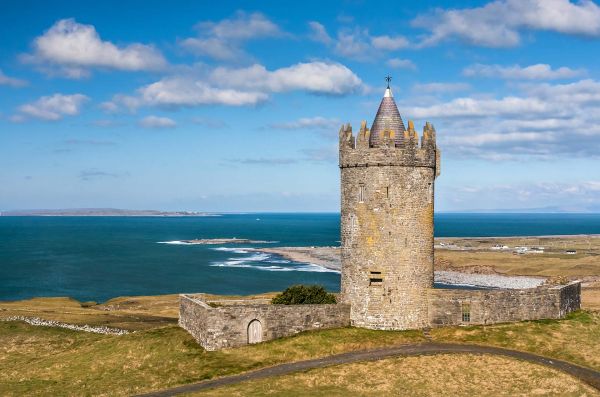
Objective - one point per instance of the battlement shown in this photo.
(388, 149)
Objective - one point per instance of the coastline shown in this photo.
(328, 257)
(479, 262)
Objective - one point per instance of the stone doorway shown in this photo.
(254, 332)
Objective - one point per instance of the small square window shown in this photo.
(375, 279)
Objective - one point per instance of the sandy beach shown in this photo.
(498, 262)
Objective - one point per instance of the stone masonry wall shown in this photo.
(446, 306)
(387, 232)
(227, 326)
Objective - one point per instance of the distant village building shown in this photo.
(388, 178)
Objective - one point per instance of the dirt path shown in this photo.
(590, 376)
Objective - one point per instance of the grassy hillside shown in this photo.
(450, 375)
(54, 361)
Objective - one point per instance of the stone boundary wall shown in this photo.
(227, 325)
(447, 306)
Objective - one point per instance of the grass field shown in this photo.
(554, 261)
(450, 375)
(54, 361)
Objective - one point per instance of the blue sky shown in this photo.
(235, 106)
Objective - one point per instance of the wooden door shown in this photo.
(254, 332)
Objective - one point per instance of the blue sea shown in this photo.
(98, 258)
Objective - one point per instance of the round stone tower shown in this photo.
(387, 188)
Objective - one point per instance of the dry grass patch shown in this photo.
(575, 339)
(553, 262)
(452, 375)
(53, 361)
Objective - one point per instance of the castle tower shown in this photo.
(387, 188)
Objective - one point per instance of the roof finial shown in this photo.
(388, 78)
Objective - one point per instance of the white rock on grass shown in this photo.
(51, 323)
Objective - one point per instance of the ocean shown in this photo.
(98, 258)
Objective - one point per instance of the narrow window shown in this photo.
(466, 312)
(387, 192)
(375, 279)
(361, 193)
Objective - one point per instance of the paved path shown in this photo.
(587, 375)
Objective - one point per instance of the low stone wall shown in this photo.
(456, 306)
(227, 325)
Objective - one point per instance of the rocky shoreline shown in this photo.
(329, 258)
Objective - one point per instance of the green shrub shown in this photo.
(304, 295)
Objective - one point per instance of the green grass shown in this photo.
(575, 338)
(446, 374)
(55, 361)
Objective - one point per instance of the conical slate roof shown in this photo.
(387, 118)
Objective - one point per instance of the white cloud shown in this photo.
(440, 87)
(318, 33)
(223, 40)
(498, 23)
(240, 86)
(357, 43)
(11, 81)
(542, 196)
(539, 120)
(314, 77)
(473, 107)
(386, 42)
(308, 123)
(533, 72)
(52, 108)
(157, 122)
(175, 91)
(398, 63)
(75, 48)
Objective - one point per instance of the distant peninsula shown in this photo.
(102, 212)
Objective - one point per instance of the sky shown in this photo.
(236, 106)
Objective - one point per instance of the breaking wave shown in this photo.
(270, 263)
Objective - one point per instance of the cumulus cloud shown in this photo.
(313, 77)
(52, 108)
(539, 120)
(357, 43)
(499, 23)
(73, 49)
(11, 81)
(533, 72)
(318, 33)
(360, 45)
(398, 63)
(223, 40)
(157, 122)
(240, 86)
(390, 43)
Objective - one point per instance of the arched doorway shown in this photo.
(254, 332)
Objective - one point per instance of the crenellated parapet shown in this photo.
(361, 151)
